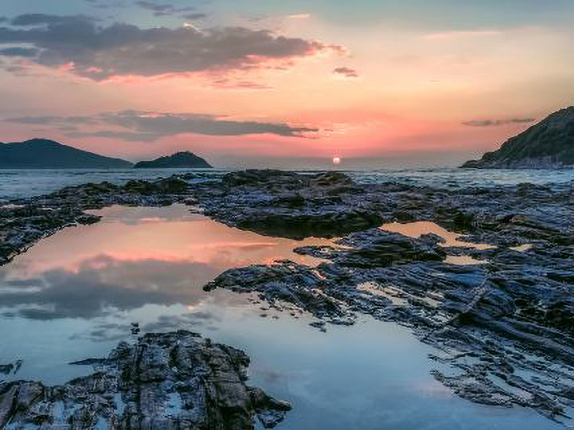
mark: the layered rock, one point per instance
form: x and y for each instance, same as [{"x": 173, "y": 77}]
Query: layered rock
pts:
[
  {"x": 503, "y": 329},
  {"x": 165, "y": 381}
]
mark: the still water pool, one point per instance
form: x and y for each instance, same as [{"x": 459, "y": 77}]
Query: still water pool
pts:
[{"x": 76, "y": 294}]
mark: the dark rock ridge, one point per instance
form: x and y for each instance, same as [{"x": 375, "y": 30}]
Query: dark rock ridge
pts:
[
  {"x": 182, "y": 160},
  {"x": 278, "y": 203},
  {"x": 47, "y": 154},
  {"x": 548, "y": 144},
  {"x": 165, "y": 381},
  {"x": 502, "y": 330}
]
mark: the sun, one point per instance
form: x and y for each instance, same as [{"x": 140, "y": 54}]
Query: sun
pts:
[{"x": 336, "y": 160}]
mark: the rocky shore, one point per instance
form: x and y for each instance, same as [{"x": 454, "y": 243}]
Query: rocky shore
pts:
[
  {"x": 502, "y": 330},
  {"x": 165, "y": 381}
]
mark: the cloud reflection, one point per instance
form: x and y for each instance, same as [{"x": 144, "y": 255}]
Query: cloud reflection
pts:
[
  {"x": 104, "y": 284},
  {"x": 127, "y": 262}
]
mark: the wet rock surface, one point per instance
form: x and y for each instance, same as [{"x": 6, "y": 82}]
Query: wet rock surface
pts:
[
  {"x": 503, "y": 330},
  {"x": 287, "y": 204},
  {"x": 165, "y": 381},
  {"x": 503, "y": 333},
  {"x": 329, "y": 204}
]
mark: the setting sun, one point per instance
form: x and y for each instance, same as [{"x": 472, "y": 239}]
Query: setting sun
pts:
[{"x": 336, "y": 160}]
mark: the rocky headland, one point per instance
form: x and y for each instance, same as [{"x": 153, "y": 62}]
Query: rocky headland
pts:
[
  {"x": 546, "y": 145},
  {"x": 502, "y": 329},
  {"x": 41, "y": 153}
]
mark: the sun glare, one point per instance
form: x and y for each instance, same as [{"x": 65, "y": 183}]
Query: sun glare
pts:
[{"x": 337, "y": 160}]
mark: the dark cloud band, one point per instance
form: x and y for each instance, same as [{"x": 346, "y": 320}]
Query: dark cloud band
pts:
[
  {"x": 167, "y": 9},
  {"x": 19, "y": 52},
  {"x": 151, "y": 126},
  {"x": 346, "y": 72},
  {"x": 99, "y": 52},
  {"x": 498, "y": 122}
]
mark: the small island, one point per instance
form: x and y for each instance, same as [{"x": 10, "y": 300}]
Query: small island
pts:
[
  {"x": 179, "y": 160},
  {"x": 546, "y": 145}
]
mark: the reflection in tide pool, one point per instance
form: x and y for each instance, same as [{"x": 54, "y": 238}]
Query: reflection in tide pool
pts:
[
  {"x": 75, "y": 295},
  {"x": 420, "y": 228},
  {"x": 522, "y": 248}
]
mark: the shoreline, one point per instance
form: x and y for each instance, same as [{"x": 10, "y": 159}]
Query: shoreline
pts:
[{"x": 509, "y": 316}]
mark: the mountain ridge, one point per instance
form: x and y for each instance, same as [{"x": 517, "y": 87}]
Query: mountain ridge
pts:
[{"x": 41, "y": 153}]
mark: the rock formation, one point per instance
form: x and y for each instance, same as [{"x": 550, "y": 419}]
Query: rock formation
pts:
[
  {"x": 165, "y": 381},
  {"x": 503, "y": 329}
]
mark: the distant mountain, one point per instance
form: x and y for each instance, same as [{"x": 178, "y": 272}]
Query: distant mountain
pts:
[
  {"x": 546, "y": 145},
  {"x": 47, "y": 154},
  {"x": 182, "y": 160}
]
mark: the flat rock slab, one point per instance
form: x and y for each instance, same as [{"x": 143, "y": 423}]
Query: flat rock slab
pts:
[{"x": 165, "y": 381}]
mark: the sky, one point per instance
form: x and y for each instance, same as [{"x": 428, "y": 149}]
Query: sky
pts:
[{"x": 288, "y": 84}]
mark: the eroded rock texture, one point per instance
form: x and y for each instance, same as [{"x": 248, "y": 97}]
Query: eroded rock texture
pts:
[
  {"x": 165, "y": 381},
  {"x": 278, "y": 203},
  {"x": 503, "y": 330}
]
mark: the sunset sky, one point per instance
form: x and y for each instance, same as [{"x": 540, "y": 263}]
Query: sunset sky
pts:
[{"x": 246, "y": 83}]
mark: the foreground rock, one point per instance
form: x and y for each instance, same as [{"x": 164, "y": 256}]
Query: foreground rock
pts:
[
  {"x": 270, "y": 202},
  {"x": 165, "y": 381},
  {"x": 546, "y": 145},
  {"x": 502, "y": 330},
  {"x": 287, "y": 204}
]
